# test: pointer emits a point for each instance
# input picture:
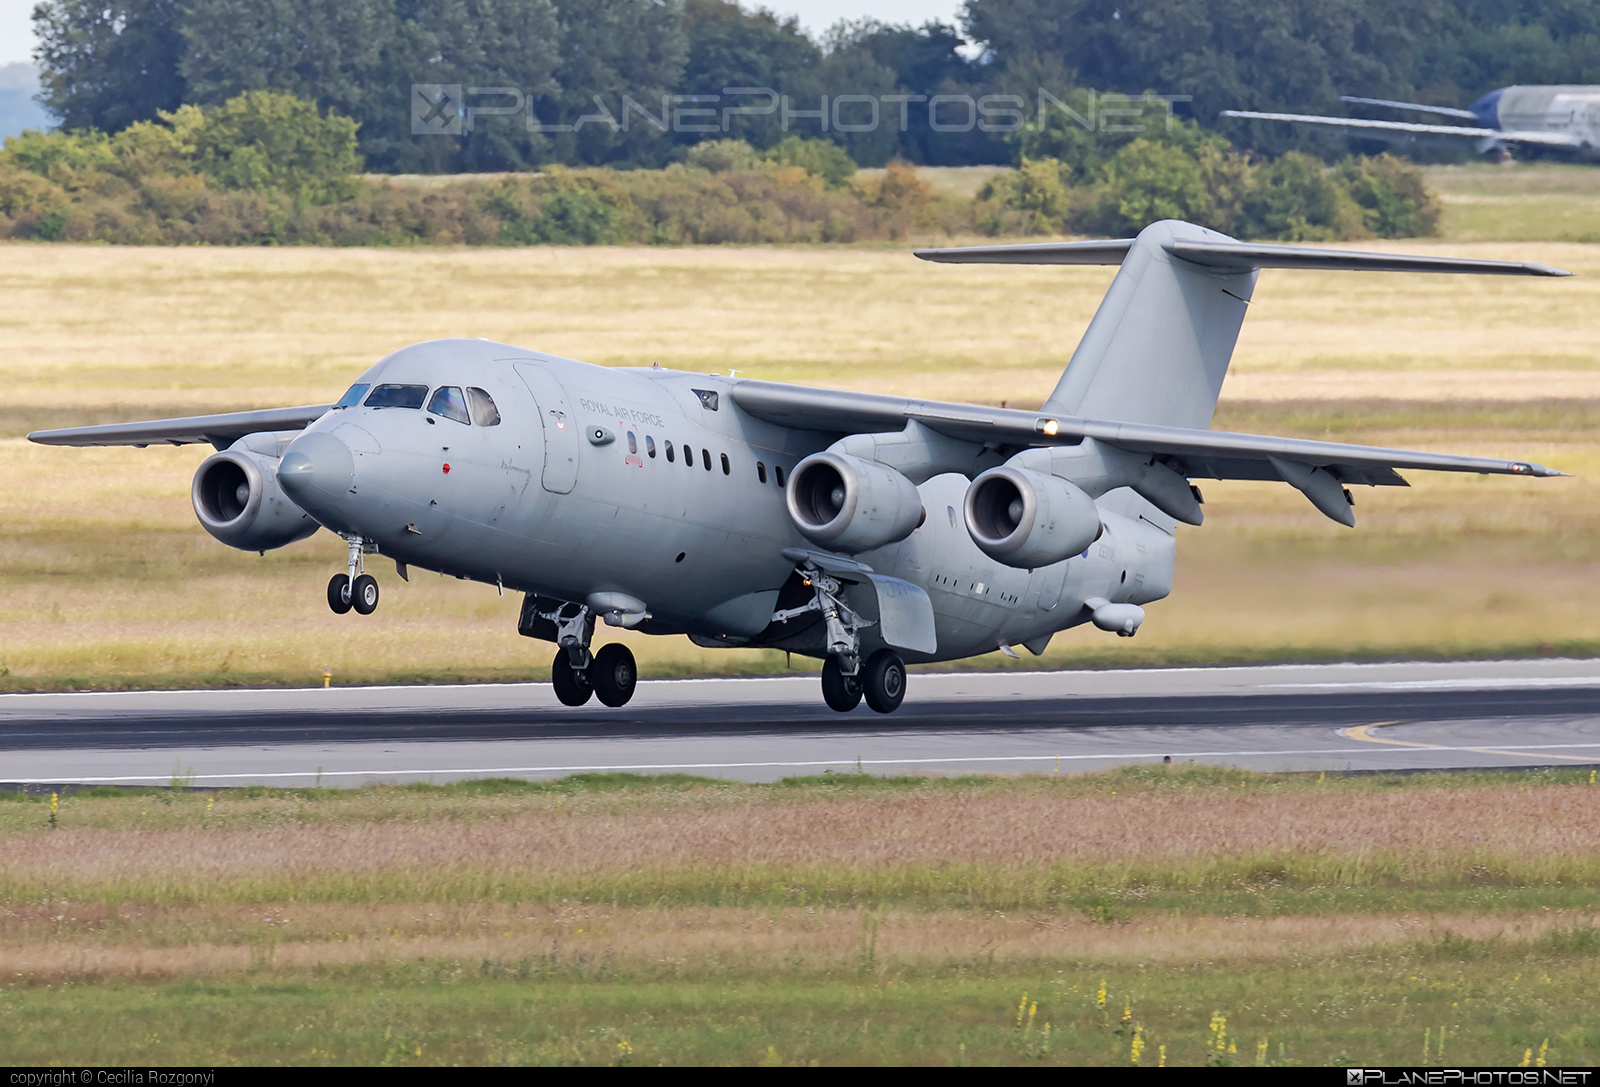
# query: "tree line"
(108, 64)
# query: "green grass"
(1493, 1004)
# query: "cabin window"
(669, 453)
(649, 446)
(761, 471)
(353, 397)
(777, 470)
(397, 396)
(483, 409)
(705, 455)
(688, 455)
(727, 469)
(448, 402)
(633, 443)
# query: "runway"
(1391, 716)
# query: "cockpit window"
(353, 397)
(448, 402)
(397, 396)
(483, 408)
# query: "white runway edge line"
(1367, 751)
(1014, 674)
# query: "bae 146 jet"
(869, 531)
(1560, 121)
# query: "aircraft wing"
(1403, 131)
(220, 431)
(1200, 454)
(1443, 111)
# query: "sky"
(16, 30)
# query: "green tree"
(824, 158)
(1145, 182)
(265, 140)
(107, 63)
(613, 48)
(1394, 201)
(1295, 199)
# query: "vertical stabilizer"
(1159, 345)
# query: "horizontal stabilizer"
(220, 431)
(1110, 251)
(1235, 256)
(1443, 111)
(1402, 130)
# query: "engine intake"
(1027, 519)
(849, 504)
(237, 499)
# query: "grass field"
(1525, 202)
(108, 579)
(615, 920)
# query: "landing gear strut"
(845, 680)
(357, 589)
(576, 673)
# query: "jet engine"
(237, 498)
(848, 504)
(1026, 519)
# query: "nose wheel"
(356, 589)
(339, 593)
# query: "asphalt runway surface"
(1391, 716)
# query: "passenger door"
(560, 427)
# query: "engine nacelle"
(1026, 519)
(237, 498)
(848, 504)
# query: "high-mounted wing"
(1236, 256)
(1405, 131)
(1201, 454)
(220, 431)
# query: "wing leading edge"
(1201, 454)
(220, 431)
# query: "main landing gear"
(576, 674)
(357, 589)
(845, 679)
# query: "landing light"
(1047, 426)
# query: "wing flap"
(220, 431)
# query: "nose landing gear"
(357, 589)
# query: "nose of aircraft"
(316, 473)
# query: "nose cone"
(316, 473)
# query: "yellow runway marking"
(1364, 732)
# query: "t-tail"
(1160, 343)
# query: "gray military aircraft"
(1556, 120)
(866, 530)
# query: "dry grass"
(108, 580)
(981, 843)
(91, 944)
